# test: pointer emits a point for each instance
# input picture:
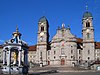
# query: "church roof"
(79, 40)
(97, 45)
(96, 62)
(1, 46)
(32, 48)
(87, 14)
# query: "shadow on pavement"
(40, 73)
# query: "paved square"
(68, 73)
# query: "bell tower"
(88, 37)
(42, 40)
(88, 29)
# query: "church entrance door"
(62, 61)
(48, 62)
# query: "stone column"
(8, 57)
(20, 57)
(4, 57)
(25, 57)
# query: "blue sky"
(26, 13)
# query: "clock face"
(42, 33)
(41, 38)
(42, 23)
(87, 30)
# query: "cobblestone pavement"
(60, 69)
(69, 73)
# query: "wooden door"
(62, 61)
(48, 62)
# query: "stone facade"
(65, 48)
(97, 50)
(32, 53)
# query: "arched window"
(41, 55)
(79, 51)
(71, 51)
(54, 52)
(87, 24)
(62, 52)
(42, 28)
(54, 57)
(88, 58)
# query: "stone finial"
(16, 33)
(63, 25)
(17, 28)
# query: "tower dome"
(42, 19)
(87, 15)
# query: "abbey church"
(65, 48)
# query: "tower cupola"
(87, 15)
(43, 19)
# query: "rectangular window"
(79, 51)
(88, 51)
(41, 54)
(48, 52)
(54, 52)
(54, 57)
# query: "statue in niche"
(15, 58)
